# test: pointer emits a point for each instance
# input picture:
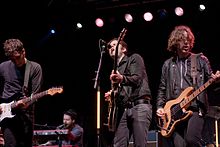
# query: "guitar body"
(7, 105)
(113, 113)
(174, 113)
(175, 110)
(6, 110)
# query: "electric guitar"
(175, 110)
(112, 109)
(7, 107)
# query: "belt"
(137, 102)
(141, 101)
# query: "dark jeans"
(187, 134)
(209, 130)
(17, 131)
(135, 121)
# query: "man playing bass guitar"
(132, 98)
(181, 94)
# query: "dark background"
(70, 57)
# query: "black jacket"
(135, 83)
(176, 76)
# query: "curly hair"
(177, 35)
(12, 45)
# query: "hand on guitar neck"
(216, 76)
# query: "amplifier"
(152, 139)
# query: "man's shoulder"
(169, 60)
(34, 63)
(5, 63)
(135, 55)
(201, 56)
(77, 126)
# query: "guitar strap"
(26, 78)
(194, 75)
(193, 69)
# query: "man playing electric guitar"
(18, 131)
(182, 93)
(133, 96)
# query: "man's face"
(67, 121)
(112, 49)
(18, 58)
(184, 44)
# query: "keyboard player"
(75, 131)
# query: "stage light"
(52, 31)
(99, 22)
(78, 25)
(148, 16)
(128, 18)
(179, 11)
(201, 7)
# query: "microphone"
(103, 41)
(61, 126)
(102, 45)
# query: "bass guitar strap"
(194, 76)
(193, 69)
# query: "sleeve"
(207, 67)
(75, 134)
(136, 66)
(36, 78)
(161, 93)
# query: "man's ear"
(124, 50)
(23, 51)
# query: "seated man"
(75, 131)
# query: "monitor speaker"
(153, 139)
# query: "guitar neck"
(192, 96)
(116, 59)
(34, 97)
(120, 38)
(31, 98)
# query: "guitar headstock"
(55, 90)
(122, 34)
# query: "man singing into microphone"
(75, 131)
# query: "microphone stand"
(97, 86)
(59, 139)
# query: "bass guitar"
(175, 110)
(7, 107)
(112, 108)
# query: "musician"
(133, 96)
(75, 131)
(18, 130)
(176, 76)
